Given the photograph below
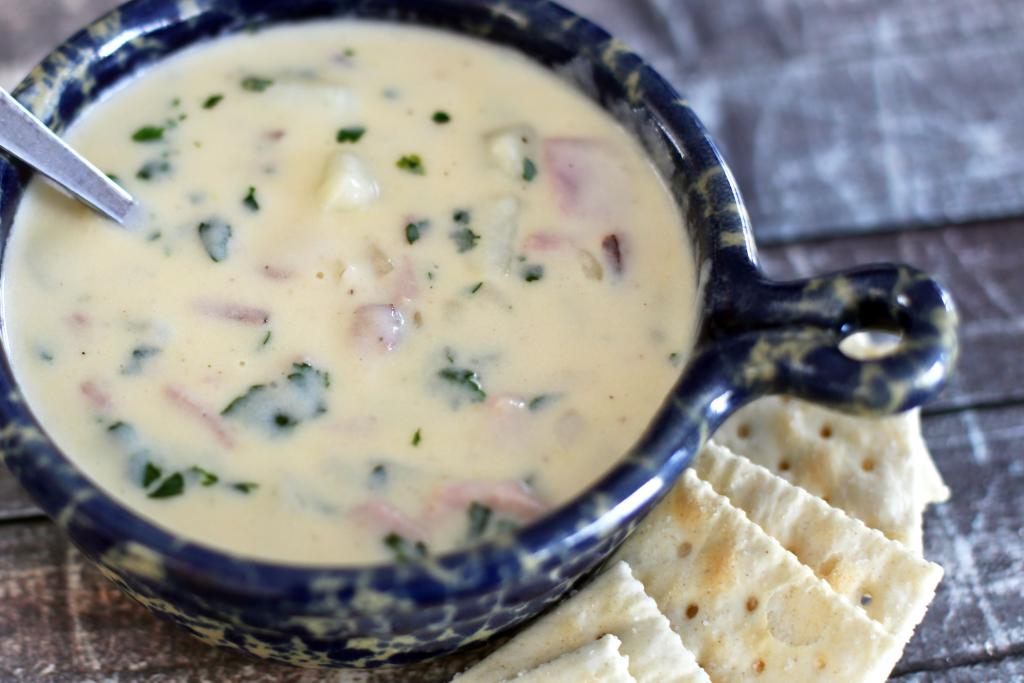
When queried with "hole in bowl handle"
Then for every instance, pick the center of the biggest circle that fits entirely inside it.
(799, 325)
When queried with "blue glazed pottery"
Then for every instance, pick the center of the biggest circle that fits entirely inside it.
(757, 337)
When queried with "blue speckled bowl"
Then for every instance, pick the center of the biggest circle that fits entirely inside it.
(756, 337)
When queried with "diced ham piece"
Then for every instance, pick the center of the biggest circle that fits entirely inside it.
(611, 247)
(545, 242)
(275, 134)
(407, 287)
(386, 518)
(587, 178)
(179, 399)
(248, 315)
(511, 497)
(378, 327)
(96, 397)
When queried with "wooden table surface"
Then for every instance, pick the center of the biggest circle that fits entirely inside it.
(61, 621)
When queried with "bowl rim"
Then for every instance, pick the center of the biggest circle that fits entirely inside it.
(633, 482)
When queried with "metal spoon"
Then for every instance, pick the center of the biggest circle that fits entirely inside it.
(25, 137)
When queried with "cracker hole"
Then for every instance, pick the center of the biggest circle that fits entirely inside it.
(691, 611)
(865, 599)
(759, 666)
(826, 431)
(783, 465)
(684, 549)
(752, 603)
(743, 431)
(868, 464)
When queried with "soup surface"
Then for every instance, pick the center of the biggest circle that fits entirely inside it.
(394, 291)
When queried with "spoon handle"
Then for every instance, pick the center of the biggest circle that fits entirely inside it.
(25, 137)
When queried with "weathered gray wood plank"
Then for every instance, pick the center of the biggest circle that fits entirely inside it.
(855, 115)
(1010, 669)
(978, 537)
(979, 264)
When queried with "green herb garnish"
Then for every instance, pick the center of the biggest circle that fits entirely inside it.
(282, 406)
(476, 288)
(206, 477)
(171, 486)
(256, 83)
(529, 169)
(351, 134)
(245, 486)
(441, 117)
(532, 272)
(150, 473)
(461, 216)
(417, 437)
(468, 381)
(378, 476)
(538, 402)
(148, 134)
(249, 201)
(415, 229)
(674, 358)
(139, 356)
(403, 549)
(266, 338)
(153, 169)
(412, 163)
(212, 101)
(464, 238)
(215, 234)
(479, 518)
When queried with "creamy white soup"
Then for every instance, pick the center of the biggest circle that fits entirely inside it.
(394, 291)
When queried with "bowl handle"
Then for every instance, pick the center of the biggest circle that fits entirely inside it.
(789, 334)
(764, 337)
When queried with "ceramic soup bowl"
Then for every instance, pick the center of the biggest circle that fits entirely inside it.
(756, 337)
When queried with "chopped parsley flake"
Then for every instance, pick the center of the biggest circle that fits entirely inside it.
(461, 216)
(153, 169)
(245, 486)
(139, 356)
(250, 201)
(282, 406)
(150, 474)
(468, 381)
(173, 485)
(538, 402)
(674, 358)
(379, 476)
(351, 134)
(403, 549)
(266, 338)
(212, 101)
(256, 83)
(215, 234)
(465, 239)
(206, 477)
(417, 437)
(476, 288)
(412, 163)
(148, 134)
(532, 272)
(441, 117)
(415, 229)
(479, 519)
(529, 169)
